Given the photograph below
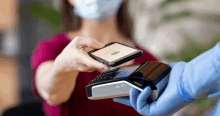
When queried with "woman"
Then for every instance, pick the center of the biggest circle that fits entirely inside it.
(62, 68)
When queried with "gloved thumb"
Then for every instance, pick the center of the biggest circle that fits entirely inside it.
(133, 97)
(123, 100)
(142, 105)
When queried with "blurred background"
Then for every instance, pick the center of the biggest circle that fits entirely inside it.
(172, 30)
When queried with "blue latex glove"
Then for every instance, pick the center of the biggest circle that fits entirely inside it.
(201, 76)
(167, 103)
(187, 83)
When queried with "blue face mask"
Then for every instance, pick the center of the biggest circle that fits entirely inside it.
(97, 10)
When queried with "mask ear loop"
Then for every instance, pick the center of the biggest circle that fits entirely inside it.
(75, 19)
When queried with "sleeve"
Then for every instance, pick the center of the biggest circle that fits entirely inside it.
(41, 53)
(146, 56)
(201, 76)
(44, 51)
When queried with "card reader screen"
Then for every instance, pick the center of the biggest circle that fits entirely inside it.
(114, 52)
(126, 71)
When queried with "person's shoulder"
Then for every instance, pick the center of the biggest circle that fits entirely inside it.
(147, 56)
(49, 49)
(53, 44)
(58, 38)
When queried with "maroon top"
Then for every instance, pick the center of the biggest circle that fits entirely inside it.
(78, 104)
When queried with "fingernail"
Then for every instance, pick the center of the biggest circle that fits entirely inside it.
(103, 45)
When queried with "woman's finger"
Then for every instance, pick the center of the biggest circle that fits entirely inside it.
(91, 70)
(90, 62)
(82, 42)
(82, 68)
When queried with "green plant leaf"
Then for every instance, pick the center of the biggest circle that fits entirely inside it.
(168, 2)
(170, 17)
(191, 49)
(202, 103)
(167, 18)
(45, 13)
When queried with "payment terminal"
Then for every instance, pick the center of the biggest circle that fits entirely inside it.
(117, 82)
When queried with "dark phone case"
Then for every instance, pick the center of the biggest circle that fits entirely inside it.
(118, 62)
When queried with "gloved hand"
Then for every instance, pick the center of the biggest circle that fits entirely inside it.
(187, 83)
(168, 102)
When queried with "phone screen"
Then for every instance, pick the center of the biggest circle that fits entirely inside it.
(114, 52)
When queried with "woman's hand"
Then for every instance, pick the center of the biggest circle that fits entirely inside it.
(75, 58)
(56, 80)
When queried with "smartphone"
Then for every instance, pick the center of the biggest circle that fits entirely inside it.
(115, 53)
